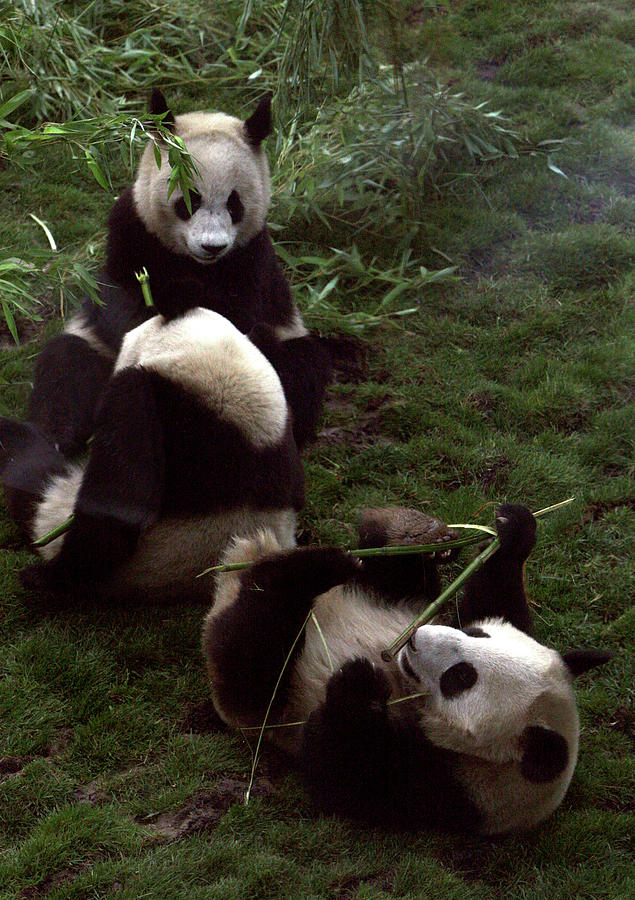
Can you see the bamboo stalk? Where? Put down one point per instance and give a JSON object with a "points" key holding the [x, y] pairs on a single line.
{"points": [[396, 550], [144, 280], [431, 610], [55, 533]]}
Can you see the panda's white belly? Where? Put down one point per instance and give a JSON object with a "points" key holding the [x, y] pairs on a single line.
{"points": [[344, 624], [170, 554]]}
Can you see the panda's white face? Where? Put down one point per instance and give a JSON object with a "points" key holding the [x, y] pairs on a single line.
{"points": [[229, 197], [482, 687]]}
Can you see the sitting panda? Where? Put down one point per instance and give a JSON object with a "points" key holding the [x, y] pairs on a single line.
{"points": [[473, 728], [219, 257], [192, 444]]}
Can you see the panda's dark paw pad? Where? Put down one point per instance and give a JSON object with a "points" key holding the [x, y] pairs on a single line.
{"points": [[356, 684], [516, 528]]}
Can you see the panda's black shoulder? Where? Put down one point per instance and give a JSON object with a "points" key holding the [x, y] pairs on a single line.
{"points": [[126, 239]]}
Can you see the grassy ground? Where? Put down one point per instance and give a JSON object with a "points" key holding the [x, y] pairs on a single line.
{"points": [[510, 383]]}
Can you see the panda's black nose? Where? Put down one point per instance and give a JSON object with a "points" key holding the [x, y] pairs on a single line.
{"points": [[213, 249]]}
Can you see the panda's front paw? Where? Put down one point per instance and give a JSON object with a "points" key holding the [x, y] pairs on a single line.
{"points": [[356, 686], [516, 528]]}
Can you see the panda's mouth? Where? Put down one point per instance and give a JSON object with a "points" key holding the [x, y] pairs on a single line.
{"points": [[406, 668], [206, 260]]}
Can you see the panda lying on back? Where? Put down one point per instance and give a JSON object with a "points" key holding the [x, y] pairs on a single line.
{"points": [[192, 445], [219, 257], [472, 729]]}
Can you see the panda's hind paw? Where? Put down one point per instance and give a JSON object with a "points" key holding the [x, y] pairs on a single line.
{"points": [[392, 526]]}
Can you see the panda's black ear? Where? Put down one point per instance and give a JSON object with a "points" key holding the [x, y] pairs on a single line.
{"points": [[158, 106], [258, 125], [545, 754], [580, 661]]}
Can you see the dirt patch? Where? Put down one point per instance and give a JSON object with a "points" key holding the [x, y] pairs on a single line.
{"points": [[54, 881], [484, 402], [362, 428], [48, 885], [205, 810], [12, 765], [492, 471], [623, 719], [488, 69], [90, 794], [497, 469], [349, 358], [62, 739], [597, 510]]}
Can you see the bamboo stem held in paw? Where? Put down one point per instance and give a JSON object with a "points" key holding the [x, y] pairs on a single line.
{"points": [[431, 610]]}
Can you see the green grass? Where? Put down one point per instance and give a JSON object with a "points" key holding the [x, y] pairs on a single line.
{"points": [[513, 382]]}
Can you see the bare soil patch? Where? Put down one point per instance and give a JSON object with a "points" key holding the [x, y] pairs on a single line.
{"points": [[205, 810]]}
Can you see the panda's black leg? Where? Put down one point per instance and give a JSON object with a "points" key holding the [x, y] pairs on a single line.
{"points": [[27, 461], [498, 589], [250, 641], [121, 490], [304, 368], [68, 381]]}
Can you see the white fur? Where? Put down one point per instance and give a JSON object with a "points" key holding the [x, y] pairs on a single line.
{"points": [[58, 503], [170, 554], [520, 683], [225, 161], [220, 366], [295, 328]]}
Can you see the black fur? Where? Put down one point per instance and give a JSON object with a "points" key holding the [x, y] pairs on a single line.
{"points": [[258, 125], [158, 107], [158, 451], [580, 661], [27, 459], [247, 286], [397, 577], [498, 589], [251, 639], [545, 754], [303, 367], [68, 376], [360, 757], [458, 678], [361, 762]]}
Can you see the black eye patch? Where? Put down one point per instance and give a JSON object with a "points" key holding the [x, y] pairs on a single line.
{"points": [[458, 678], [235, 207], [475, 631], [181, 209]]}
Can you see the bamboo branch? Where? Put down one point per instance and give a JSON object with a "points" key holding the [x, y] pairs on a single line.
{"points": [[431, 610]]}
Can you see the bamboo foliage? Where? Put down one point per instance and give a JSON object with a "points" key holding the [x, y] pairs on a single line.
{"points": [[360, 140]]}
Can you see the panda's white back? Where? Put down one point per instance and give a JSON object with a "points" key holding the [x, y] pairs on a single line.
{"points": [[207, 356]]}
